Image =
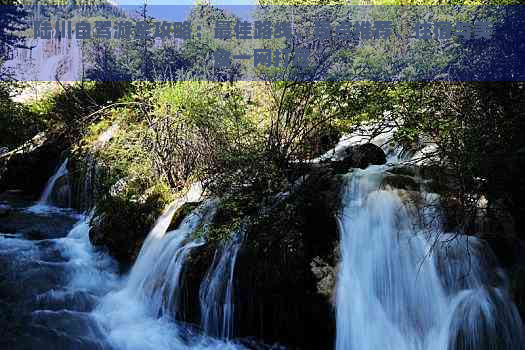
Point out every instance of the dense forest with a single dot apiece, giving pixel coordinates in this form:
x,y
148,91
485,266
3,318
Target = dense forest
x,y
265,257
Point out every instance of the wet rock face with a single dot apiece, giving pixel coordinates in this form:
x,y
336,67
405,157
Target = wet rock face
x,y
326,276
403,182
510,253
35,226
197,264
359,156
61,194
29,170
121,241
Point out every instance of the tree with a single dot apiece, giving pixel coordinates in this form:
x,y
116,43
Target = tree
x,y
13,18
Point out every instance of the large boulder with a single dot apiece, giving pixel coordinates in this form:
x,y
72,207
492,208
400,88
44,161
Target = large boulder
x,y
403,182
364,155
277,272
359,156
121,225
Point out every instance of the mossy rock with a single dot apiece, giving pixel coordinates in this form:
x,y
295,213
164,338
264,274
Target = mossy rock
x,y
274,278
359,156
181,214
197,264
121,225
274,271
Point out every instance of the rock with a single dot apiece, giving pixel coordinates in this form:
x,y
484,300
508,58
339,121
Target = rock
x,y
197,264
16,199
181,214
326,276
359,156
364,155
119,187
30,167
121,235
274,277
407,170
61,194
121,225
252,343
36,226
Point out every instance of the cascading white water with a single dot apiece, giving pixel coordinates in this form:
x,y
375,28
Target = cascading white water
x,y
141,314
401,287
155,244
61,172
159,286
216,290
92,270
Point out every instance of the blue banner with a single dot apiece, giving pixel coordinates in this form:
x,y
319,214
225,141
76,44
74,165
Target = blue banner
x,y
272,43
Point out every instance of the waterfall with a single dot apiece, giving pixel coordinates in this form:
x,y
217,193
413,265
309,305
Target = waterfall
x,y
68,294
48,190
216,290
45,61
149,297
159,287
93,270
402,286
156,274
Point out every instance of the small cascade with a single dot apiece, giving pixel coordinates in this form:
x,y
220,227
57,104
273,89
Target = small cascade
x,y
216,294
73,297
401,286
149,298
92,270
154,243
47,195
157,273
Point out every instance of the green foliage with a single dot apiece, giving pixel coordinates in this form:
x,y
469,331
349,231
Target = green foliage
x,y
123,158
150,204
194,130
217,233
17,122
65,108
232,211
